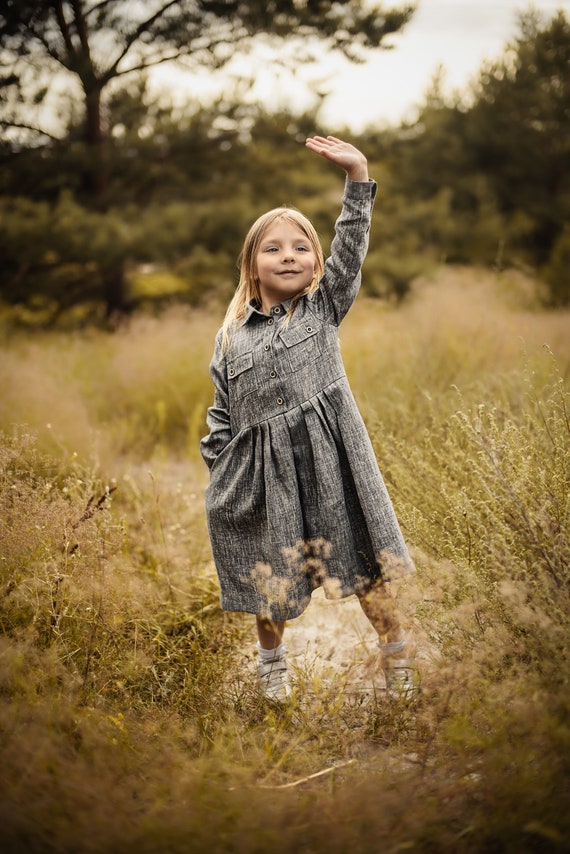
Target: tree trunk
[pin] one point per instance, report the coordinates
(95, 174)
(115, 293)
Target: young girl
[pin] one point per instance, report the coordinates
(295, 499)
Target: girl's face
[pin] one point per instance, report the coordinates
(285, 263)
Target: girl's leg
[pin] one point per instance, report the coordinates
(269, 632)
(272, 677)
(379, 605)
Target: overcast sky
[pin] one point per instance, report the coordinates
(456, 34)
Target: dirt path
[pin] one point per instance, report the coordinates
(335, 638)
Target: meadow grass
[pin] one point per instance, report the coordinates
(129, 719)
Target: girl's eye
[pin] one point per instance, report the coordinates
(275, 249)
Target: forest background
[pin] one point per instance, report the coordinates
(129, 715)
(141, 201)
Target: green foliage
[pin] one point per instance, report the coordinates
(57, 257)
(518, 130)
(480, 183)
(518, 127)
(492, 175)
(64, 261)
(94, 45)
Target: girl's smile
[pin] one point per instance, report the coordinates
(285, 263)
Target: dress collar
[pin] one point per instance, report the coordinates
(278, 310)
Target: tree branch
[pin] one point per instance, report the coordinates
(94, 9)
(81, 26)
(311, 776)
(135, 35)
(149, 64)
(23, 126)
(64, 30)
(50, 50)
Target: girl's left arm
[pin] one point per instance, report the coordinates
(341, 280)
(342, 277)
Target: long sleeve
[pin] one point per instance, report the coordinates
(218, 417)
(341, 280)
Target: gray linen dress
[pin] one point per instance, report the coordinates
(296, 499)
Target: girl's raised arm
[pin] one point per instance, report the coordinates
(342, 154)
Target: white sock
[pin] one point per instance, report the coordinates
(394, 648)
(271, 654)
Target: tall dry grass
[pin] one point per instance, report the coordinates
(103, 395)
(128, 715)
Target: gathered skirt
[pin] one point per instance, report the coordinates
(298, 501)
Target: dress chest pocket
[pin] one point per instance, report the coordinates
(302, 342)
(241, 376)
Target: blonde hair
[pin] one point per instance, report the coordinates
(248, 285)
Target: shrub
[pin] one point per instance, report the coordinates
(487, 489)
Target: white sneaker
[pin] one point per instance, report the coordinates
(273, 680)
(401, 678)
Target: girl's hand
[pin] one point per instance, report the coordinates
(342, 153)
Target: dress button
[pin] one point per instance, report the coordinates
(279, 400)
(272, 375)
(309, 328)
(266, 347)
(231, 372)
(270, 322)
(277, 310)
